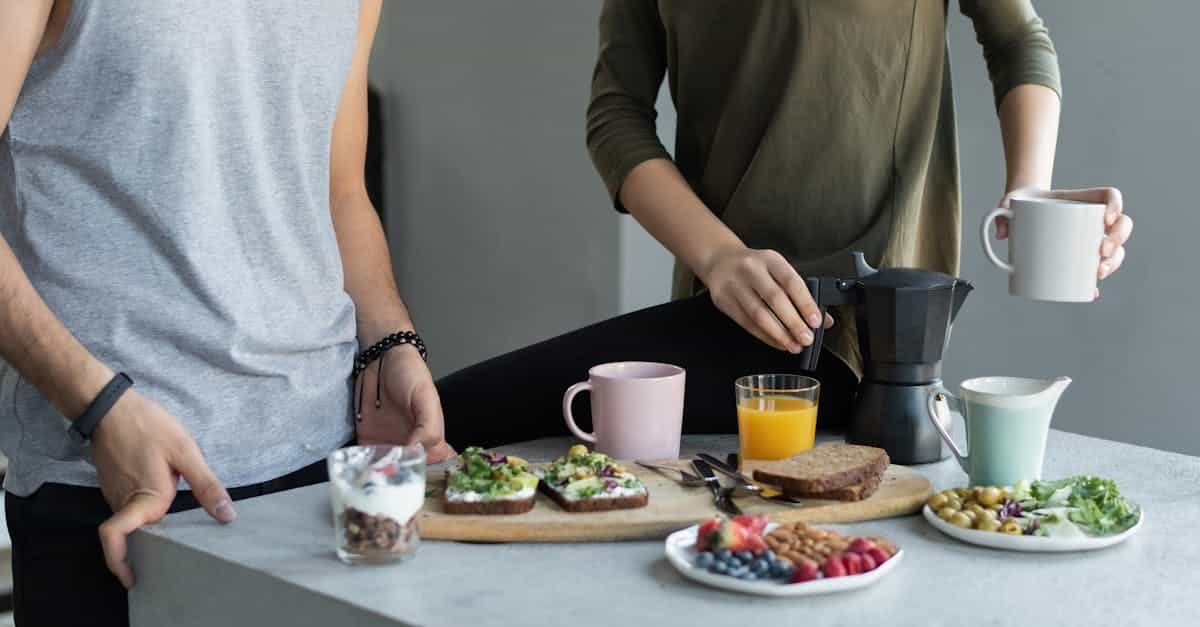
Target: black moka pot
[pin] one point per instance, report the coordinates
(904, 317)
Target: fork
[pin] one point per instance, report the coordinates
(686, 479)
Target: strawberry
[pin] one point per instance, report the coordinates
(753, 522)
(878, 555)
(805, 571)
(868, 562)
(860, 545)
(756, 544)
(703, 539)
(853, 563)
(833, 566)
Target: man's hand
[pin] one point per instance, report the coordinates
(141, 451)
(1117, 226)
(410, 411)
(764, 294)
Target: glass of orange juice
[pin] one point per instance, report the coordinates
(777, 415)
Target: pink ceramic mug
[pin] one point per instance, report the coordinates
(637, 409)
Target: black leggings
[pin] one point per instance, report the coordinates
(518, 396)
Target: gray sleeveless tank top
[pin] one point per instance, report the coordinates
(164, 181)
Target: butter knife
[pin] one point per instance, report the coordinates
(721, 496)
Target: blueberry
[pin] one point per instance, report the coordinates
(704, 560)
(738, 572)
(786, 571)
(769, 555)
(734, 561)
(750, 576)
(745, 556)
(719, 568)
(759, 566)
(723, 555)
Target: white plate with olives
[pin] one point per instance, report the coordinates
(978, 516)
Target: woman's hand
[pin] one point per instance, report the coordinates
(764, 294)
(1117, 226)
(410, 411)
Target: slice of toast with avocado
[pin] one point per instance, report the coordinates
(489, 483)
(583, 481)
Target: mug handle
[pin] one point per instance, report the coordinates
(952, 403)
(568, 398)
(985, 233)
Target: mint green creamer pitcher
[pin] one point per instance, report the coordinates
(1007, 420)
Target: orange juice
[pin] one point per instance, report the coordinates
(775, 427)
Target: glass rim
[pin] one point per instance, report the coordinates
(413, 454)
(807, 384)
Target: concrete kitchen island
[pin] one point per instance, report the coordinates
(275, 566)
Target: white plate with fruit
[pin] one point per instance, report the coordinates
(1074, 514)
(739, 555)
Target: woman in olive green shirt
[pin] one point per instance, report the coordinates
(806, 129)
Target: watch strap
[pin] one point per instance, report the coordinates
(84, 426)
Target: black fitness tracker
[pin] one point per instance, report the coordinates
(84, 426)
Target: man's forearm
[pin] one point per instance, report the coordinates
(1029, 125)
(367, 267)
(35, 342)
(664, 204)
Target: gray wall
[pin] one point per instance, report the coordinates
(502, 235)
(500, 230)
(1130, 120)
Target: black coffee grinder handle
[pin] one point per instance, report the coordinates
(826, 292)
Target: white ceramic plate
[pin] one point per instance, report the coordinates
(682, 555)
(1035, 544)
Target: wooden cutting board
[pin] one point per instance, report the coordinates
(672, 507)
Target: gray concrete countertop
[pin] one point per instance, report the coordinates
(275, 566)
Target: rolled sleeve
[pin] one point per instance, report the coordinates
(630, 66)
(1016, 45)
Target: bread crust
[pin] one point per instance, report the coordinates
(495, 507)
(856, 492)
(803, 474)
(580, 506)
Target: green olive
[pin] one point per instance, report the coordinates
(954, 502)
(937, 501)
(962, 493)
(987, 524)
(1012, 528)
(979, 510)
(991, 496)
(997, 507)
(972, 516)
(946, 513)
(960, 519)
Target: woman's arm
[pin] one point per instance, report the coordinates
(1023, 66)
(756, 288)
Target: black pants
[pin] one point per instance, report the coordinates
(518, 396)
(59, 575)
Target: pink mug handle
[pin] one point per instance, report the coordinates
(568, 398)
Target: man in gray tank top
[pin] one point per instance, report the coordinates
(182, 202)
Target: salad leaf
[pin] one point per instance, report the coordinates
(1093, 503)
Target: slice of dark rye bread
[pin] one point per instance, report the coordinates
(824, 468)
(496, 507)
(855, 492)
(602, 504)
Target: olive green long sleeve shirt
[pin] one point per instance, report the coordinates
(811, 127)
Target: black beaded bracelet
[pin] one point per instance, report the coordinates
(376, 352)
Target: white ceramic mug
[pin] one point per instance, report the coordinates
(1053, 248)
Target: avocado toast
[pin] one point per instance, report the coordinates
(489, 483)
(583, 481)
